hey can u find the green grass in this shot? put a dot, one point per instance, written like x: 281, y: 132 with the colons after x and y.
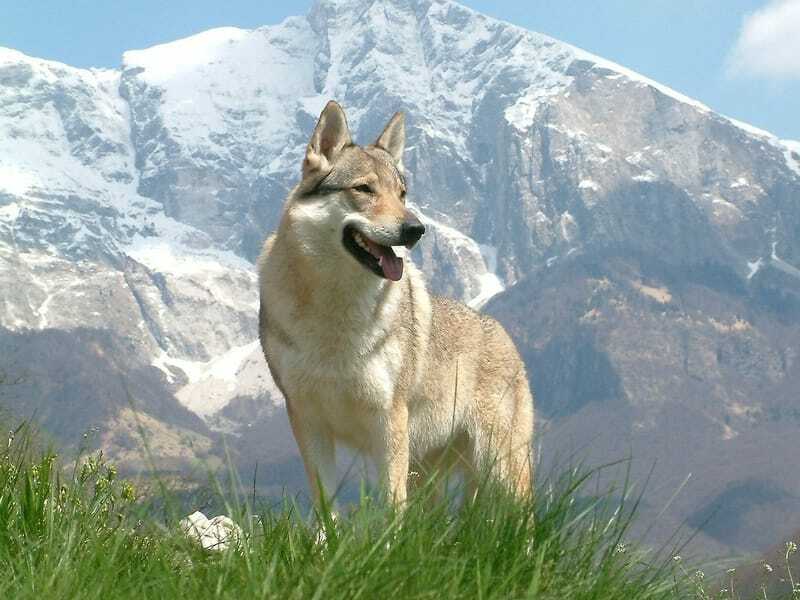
x: 83, y: 535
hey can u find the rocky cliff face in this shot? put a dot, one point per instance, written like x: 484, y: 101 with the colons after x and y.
x: 642, y: 249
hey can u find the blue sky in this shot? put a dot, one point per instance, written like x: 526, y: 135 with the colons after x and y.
x: 740, y: 57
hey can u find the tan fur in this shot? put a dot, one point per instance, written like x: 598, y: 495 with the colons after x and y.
x: 415, y: 382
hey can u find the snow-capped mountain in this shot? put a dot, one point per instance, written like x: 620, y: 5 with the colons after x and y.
x: 643, y: 249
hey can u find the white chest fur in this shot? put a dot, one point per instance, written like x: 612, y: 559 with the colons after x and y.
x: 342, y: 366
x: 316, y: 373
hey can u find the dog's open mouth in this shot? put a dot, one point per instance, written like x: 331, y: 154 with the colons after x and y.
x: 379, y: 259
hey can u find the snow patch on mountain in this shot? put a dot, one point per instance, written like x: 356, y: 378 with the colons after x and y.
x: 174, y: 59
x: 588, y: 184
x: 86, y: 149
x: 224, y: 92
x: 792, y: 154
x: 14, y: 180
x: 9, y: 212
x: 167, y: 253
x: 739, y: 183
x: 789, y: 148
x: 648, y: 176
x: 544, y: 63
x: 549, y: 81
x: 781, y: 264
x: 210, y: 384
x: 754, y: 267
x: 522, y: 113
x: 490, y: 284
x: 223, y: 367
x: 477, y: 262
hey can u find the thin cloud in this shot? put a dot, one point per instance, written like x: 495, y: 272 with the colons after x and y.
x: 768, y: 45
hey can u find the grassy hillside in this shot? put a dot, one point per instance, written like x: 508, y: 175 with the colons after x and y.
x: 87, y: 535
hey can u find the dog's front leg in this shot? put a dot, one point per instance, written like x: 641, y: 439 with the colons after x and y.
x: 318, y: 451
x: 393, y: 453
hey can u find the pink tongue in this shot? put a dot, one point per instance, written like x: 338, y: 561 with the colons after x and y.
x: 392, y: 265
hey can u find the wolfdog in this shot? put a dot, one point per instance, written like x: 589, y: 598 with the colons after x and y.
x: 363, y: 355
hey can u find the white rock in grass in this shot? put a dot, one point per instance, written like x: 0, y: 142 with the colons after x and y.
x: 218, y: 533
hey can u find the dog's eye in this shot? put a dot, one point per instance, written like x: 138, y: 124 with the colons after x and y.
x: 363, y: 188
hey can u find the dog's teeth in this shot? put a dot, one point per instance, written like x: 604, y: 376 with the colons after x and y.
x: 360, y: 241
x: 400, y: 251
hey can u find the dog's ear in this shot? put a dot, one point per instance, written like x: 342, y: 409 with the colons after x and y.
x: 330, y: 135
x: 393, y: 138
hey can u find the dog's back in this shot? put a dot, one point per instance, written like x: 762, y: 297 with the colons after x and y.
x: 477, y: 383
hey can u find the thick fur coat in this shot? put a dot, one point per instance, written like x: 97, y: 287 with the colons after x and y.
x: 364, y: 356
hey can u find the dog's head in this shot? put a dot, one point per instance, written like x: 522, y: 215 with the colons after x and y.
x: 352, y: 199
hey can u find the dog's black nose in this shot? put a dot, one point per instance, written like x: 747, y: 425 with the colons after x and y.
x: 411, y: 230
